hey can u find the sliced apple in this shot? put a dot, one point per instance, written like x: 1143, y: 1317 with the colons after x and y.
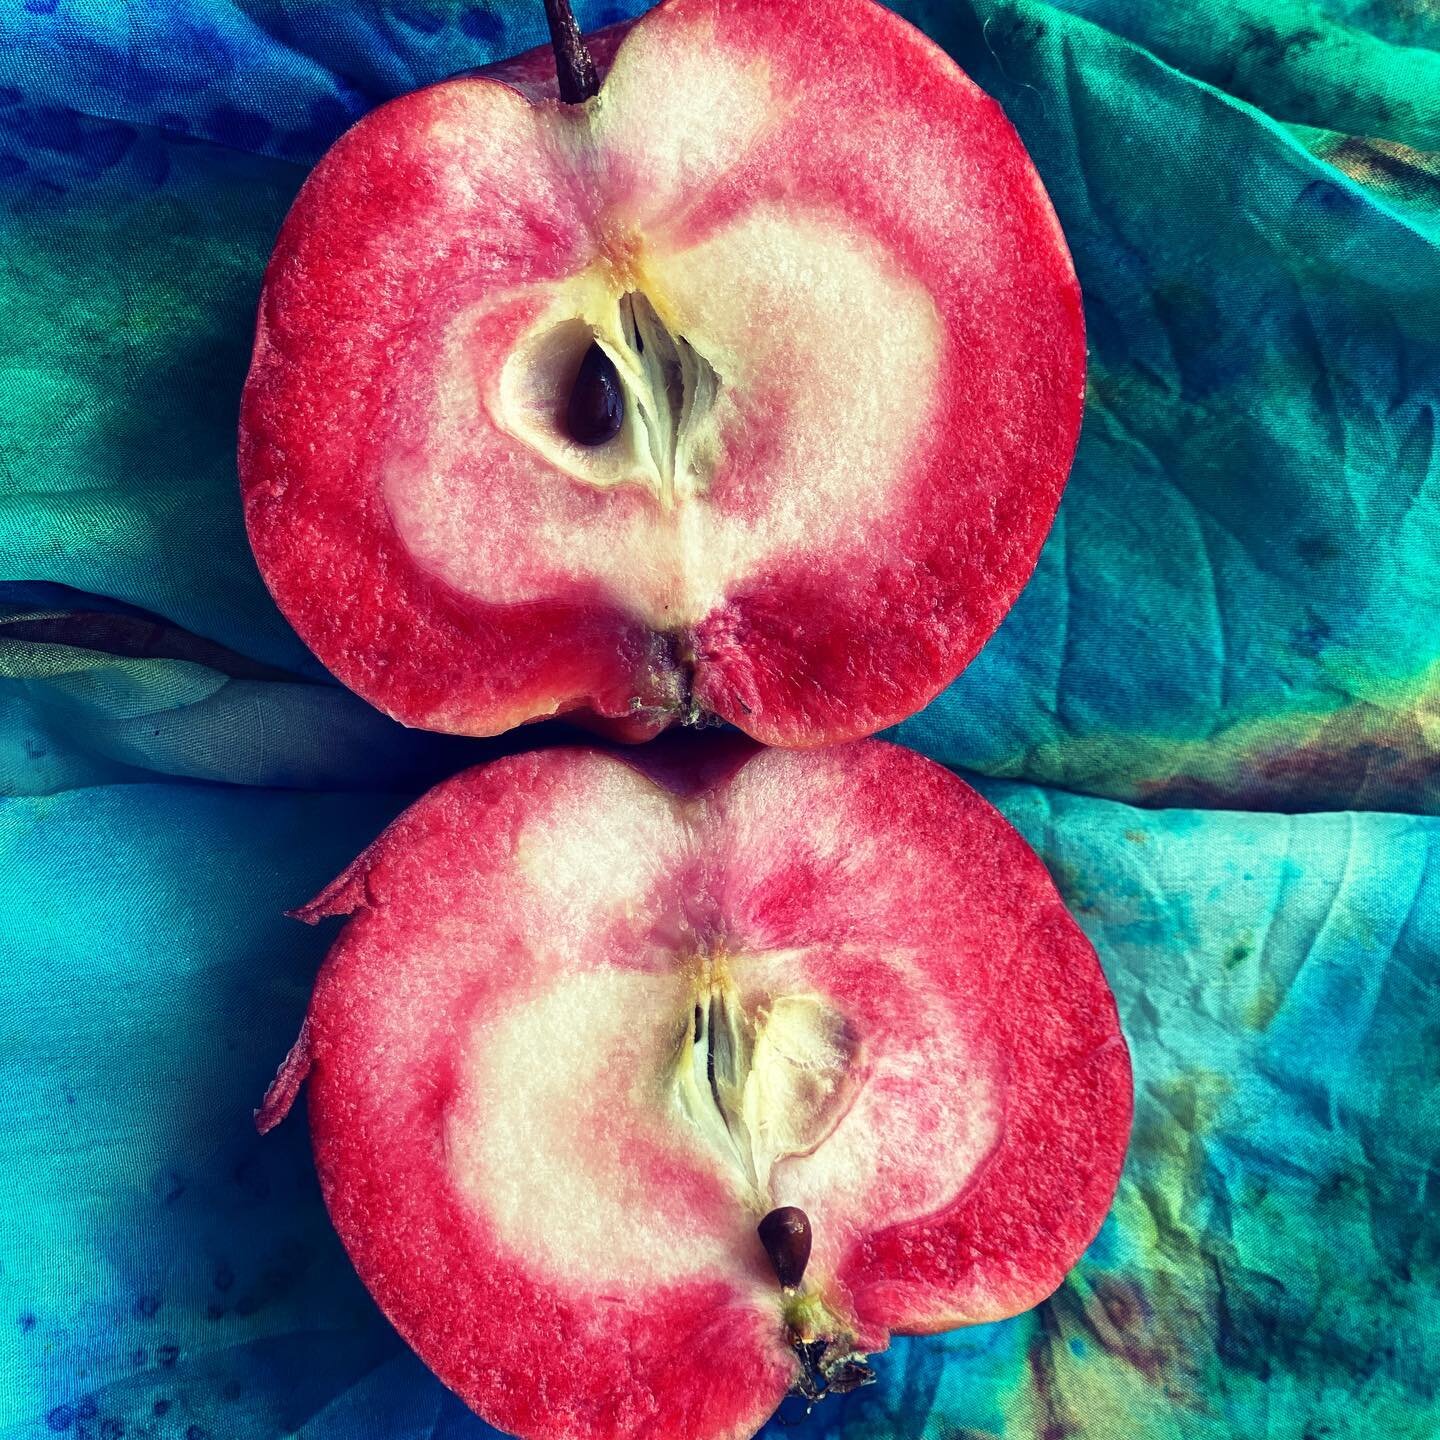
x: 845, y: 343
x: 646, y: 1093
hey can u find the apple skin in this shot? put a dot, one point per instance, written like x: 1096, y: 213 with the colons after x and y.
x: 884, y: 480
x: 494, y: 1115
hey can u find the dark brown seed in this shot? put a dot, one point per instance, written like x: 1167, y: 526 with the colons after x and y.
x: 597, y: 404
x: 785, y: 1234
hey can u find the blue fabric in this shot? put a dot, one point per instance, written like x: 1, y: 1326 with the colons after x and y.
x: 1233, y: 619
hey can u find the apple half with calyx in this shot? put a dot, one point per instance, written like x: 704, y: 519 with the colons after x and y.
x: 741, y: 383
x: 649, y: 1089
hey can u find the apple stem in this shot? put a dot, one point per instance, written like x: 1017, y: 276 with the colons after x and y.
x: 574, y: 65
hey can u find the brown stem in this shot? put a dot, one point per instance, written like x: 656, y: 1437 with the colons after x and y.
x: 574, y: 65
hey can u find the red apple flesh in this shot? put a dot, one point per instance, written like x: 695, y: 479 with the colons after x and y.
x: 848, y: 339
x: 594, y: 1018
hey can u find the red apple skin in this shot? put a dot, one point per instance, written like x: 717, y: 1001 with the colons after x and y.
x: 481, y: 900
x: 397, y: 232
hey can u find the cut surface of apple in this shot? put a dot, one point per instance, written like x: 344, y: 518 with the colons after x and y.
x: 611, y: 1047
x: 818, y: 271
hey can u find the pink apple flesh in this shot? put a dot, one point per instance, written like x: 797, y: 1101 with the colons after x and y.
x: 849, y: 339
x: 590, y: 1022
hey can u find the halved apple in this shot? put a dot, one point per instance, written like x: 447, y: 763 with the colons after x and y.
x: 646, y: 1091
x: 745, y: 388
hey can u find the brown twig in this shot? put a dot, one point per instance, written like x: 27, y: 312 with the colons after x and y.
x: 574, y: 65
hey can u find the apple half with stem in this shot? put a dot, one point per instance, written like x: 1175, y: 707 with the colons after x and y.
x: 733, y: 371
x: 649, y: 1089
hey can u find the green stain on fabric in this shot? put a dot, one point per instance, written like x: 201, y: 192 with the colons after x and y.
x: 1264, y: 1241
x: 1400, y: 177
x: 1370, y: 744
x: 1263, y: 1006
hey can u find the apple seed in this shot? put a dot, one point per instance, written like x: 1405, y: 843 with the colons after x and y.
x: 785, y: 1234
x: 597, y: 406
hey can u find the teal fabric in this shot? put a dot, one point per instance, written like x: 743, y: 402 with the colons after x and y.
x: 1236, y: 604
x: 1213, y: 712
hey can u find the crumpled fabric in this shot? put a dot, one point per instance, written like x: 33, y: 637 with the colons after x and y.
x: 1214, y: 713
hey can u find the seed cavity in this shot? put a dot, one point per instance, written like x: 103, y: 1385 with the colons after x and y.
x: 785, y: 1234
x: 611, y: 398
x: 596, y: 409
x: 675, y: 392
x: 762, y: 1082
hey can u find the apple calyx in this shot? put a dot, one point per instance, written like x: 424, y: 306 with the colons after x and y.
x: 574, y: 65
x: 827, y: 1367
x: 828, y: 1362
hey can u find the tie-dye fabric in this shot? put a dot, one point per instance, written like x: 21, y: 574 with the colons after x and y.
x: 1212, y: 712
